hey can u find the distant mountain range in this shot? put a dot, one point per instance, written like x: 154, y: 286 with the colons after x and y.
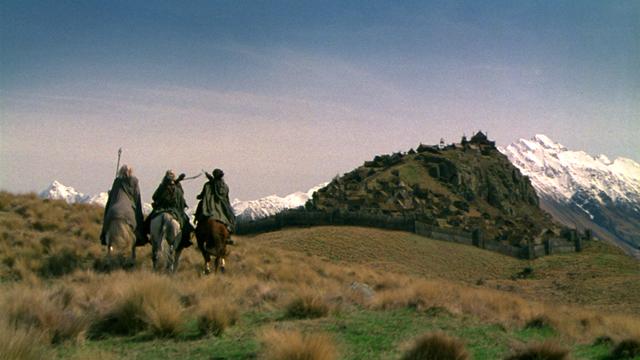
x: 581, y: 190
x: 577, y: 189
x: 245, y: 210
x: 271, y: 205
x: 59, y: 191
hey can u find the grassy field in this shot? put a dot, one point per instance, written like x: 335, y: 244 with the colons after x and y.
x: 601, y: 277
x: 318, y: 293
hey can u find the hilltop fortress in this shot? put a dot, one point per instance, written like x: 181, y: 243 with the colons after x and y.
x: 467, y: 186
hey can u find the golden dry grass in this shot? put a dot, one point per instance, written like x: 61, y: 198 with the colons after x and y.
x: 293, y: 345
x: 541, y: 351
x: 309, y: 270
x: 601, y: 277
x: 49, y: 311
x: 22, y: 344
x: 215, y: 315
x: 137, y: 302
x: 436, y: 346
x: 307, y: 305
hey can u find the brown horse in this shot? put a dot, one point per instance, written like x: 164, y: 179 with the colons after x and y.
x: 212, y: 236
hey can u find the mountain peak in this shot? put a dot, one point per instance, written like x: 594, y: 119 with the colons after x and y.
x: 595, y: 186
x: 546, y: 142
x: 58, y: 191
x: 272, y: 204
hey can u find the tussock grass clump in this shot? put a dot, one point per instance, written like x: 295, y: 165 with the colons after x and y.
x: 293, y: 345
x: 122, y: 317
x: 163, y: 316
x: 61, y: 263
x: 541, y: 351
x: 143, y: 301
x: 436, y: 346
x: 626, y: 349
x: 22, y: 344
x: 49, y: 312
x: 215, y: 316
x: 307, y: 306
x: 540, y: 322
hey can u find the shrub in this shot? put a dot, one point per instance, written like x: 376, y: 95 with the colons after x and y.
x: 436, y: 346
x: 307, y: 306
x: 541, y: 351
x: 215, y: 316
x: 292, y: 345
x: 626, y: 349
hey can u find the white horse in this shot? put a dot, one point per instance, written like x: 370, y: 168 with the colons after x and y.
x: 119, y: 237
x: 165, y: 242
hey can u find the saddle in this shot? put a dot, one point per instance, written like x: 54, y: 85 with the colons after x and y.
x: 187, y: 229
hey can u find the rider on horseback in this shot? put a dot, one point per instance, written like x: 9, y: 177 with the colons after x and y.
x: 169, y: 197
x: 214, y: 202
x: 124, y: 203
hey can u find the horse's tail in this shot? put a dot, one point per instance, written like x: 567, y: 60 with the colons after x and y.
x: 119, y: 234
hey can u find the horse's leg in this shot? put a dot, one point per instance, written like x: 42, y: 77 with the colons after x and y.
x: 157, y: 234
x: 174, y: 253
x: 108, y: 242
x: 222, y: 262
x: 200, y: 239
x: 133, y: 250
x: 216, y: 264
x: 167, y: 251
x: 207, y: 262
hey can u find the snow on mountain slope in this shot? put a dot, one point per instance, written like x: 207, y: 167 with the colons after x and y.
x: 607, y: 192
x: 560, y: 173
x: 100, y: 199
x: 271, y: 205
x: 245, y: 210
x: 58, y: 191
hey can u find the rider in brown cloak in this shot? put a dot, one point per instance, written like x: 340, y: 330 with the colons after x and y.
x: 214, y: 201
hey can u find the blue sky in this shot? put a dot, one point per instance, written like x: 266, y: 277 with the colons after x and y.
x: 285, y: 95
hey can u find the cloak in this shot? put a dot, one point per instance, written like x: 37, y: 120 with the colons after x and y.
x: 169, y: 197
x: 124, y: 203
x: 215, y: 203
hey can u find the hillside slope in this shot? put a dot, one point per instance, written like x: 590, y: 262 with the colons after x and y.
x: 365, y: 289
x: 467, y: 186
x: 600, y: 277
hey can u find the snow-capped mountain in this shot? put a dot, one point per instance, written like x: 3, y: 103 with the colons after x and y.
x: 578, y: 188
x: 99, y: 199
x: 271, y: 205
x: 58, y: 191
x: 244, y: 210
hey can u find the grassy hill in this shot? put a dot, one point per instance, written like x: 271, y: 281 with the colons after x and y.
x: 466, y: 186
x: 323, y: 293
x: 601, y: 277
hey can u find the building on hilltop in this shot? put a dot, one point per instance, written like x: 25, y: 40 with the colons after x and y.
x: 481, y: 139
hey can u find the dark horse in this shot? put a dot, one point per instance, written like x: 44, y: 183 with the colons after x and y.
x: 212, y: 237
